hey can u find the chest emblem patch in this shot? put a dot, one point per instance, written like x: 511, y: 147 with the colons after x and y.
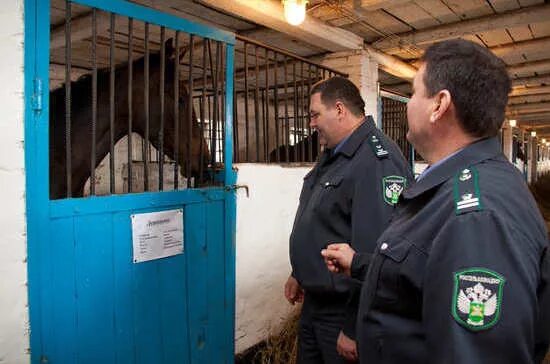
x: 392, y: 186
x: 477, y: 298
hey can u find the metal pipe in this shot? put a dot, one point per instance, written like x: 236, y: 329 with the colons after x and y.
x: 176, y: 109
x: 112, y: 105
x: 189, y: 110
x: 246, y: 128
x: 276, y: 101
x: 146, y: 110
x: 130, y: 99
x: 94, y: 101
x: 161, y: 96
x: 68, y: 152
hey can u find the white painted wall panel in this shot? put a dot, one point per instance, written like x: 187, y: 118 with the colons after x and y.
x: 264, y: 223
x: 14, y: 339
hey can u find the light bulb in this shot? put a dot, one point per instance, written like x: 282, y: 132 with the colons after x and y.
x: 513, y: 123
x: 295, y: 11
x: 533, y: 133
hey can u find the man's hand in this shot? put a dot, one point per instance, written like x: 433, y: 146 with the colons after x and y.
x: 293, y: 292
x: 338, y: 257
x: 346, y: 347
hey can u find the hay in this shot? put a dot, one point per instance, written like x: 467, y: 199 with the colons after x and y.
x: 279, y: 348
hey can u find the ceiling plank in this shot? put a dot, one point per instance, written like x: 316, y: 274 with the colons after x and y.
x: 523, y: 91
x: 535, y: 14
x: 532, y: 81
x: 529, y: 108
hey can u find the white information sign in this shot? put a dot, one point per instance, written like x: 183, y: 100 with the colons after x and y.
x: 157, y: 235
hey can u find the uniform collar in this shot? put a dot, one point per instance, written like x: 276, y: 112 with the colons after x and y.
x: 472, y: 154
x: 354, y: 140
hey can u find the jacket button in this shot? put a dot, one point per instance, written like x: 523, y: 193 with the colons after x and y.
x: 384, y: 246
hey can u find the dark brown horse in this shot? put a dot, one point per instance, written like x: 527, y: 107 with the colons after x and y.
x: 81, y: 125
x: 298, y: 152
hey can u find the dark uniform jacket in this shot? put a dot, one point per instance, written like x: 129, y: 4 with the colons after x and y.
x: 461, y: 273
x: 347, y: 197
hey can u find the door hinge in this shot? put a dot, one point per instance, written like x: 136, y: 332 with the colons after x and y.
x: 37, y: 95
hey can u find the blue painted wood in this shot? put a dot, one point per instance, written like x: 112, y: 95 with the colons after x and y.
x: 123, y: 289
x: 89, y: 303
x: 37, y: 38
x: 215, y: 276
x: 155, y: 17
x: 61, y: 318
x: 116, y: 203
x: 197, y: 258
x: 93, y: 238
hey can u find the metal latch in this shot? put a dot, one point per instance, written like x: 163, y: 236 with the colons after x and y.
x: 236, y: 187
x: 37, y: 95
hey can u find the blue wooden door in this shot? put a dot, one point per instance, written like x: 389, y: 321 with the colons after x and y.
x: 89, y: 303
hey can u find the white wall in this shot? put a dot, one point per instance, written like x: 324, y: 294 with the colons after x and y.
x: 14, y: 339
x: 264, y: 223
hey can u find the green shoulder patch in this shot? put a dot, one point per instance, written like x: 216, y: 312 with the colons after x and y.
x: 466, y: 191
x: 477, y: 298
x: 392, y: 186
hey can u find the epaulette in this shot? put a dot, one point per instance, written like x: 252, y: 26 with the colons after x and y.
x: 466, y: 191
x: 377, y: 147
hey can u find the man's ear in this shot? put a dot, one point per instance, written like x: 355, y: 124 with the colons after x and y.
x: 340, y: 108
x: 441, y: 104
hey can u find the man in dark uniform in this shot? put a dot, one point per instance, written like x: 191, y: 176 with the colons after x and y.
x: 461, y: 274
x: 348, y: 196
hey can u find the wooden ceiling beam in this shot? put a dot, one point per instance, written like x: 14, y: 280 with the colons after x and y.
x: 373, y: 5
x: 528, y: 108
x: 510, y: 19
x: 532, y: 81
x: 270, y: 13
x: 530, y: 67
x: 81, y: 28
x: 525, y: 91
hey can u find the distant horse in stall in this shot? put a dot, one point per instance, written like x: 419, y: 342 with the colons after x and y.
x: 81, y: 126
x: 298, y: 152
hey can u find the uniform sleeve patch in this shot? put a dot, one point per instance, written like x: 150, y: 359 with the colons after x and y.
x: 392, y: 186
x: 477, y: 298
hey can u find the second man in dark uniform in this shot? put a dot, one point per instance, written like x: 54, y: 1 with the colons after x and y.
x: 348, y: 196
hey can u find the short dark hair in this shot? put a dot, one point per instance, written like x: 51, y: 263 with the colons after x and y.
x: 476, y: 79
x: 340, y: 89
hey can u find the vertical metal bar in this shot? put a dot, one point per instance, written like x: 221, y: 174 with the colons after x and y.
x: 246, y: 126
x: 68, y: 151
x: 276, y: 102
x: 130, y: 99
x: 216, y: 102
x: 301, y: 111
x: 160, y: 160
x: 296, y: 146
x: 146, y: 110
x: 221, y: 101
x: 212, y: 109
x: 306, y: 108
x: 112, y: 105
x: 189, y: 111
x: 203, y: 102
x: 286, y: 126
x: 266, y: 124
x: 94, y: 102
x: 256, y: 106
x: 176, y: 109
x: 236, y: 149
x: 229, y: 87
x: 202, y: 105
